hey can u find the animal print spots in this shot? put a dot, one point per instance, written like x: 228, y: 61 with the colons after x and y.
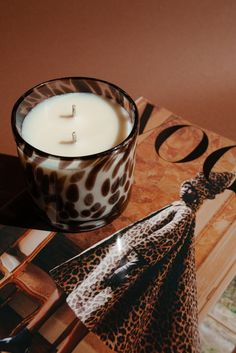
x: 153, y: 307
x: 88, y: 200
x: 123, y: 179
x: 127, y: 185
x: 134, y: 315
x: 77, y: 177
x: 78, y: 193
x: 114, y: 198
x: 106, y: 187
x: 115, y: 185
x: 96, y: 207
x: 72, y: 193
x: 70, y: 208
x: 99, y: 212
x: 85, y: 213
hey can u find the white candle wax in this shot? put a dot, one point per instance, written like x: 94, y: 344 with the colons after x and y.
x: 98, y: 124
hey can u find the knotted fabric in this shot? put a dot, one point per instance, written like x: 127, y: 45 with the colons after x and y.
x: 137, y: 288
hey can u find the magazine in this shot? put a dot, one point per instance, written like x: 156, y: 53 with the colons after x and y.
x: 170, y: 150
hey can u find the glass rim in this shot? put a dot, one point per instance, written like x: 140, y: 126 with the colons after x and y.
x: 19, y: 139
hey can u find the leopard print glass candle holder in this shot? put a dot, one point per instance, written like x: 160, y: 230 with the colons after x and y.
x: 85, y: 192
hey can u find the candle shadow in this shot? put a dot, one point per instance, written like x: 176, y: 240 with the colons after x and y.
x: 16, y: 206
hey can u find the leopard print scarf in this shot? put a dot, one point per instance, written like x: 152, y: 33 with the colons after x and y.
x: 137, y: 289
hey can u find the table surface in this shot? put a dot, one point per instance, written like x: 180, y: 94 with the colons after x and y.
x: 179, y: 54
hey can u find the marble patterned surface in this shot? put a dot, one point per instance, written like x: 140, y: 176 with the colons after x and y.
x: 158, y: 179
x: 157, y: 183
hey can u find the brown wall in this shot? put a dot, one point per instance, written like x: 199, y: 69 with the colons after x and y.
x: 179, y: 54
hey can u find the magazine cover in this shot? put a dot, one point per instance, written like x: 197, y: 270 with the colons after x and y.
x: 145, y: 281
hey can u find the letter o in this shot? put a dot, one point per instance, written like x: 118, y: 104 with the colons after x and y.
x: 212, y: 159
x: 197, y: 152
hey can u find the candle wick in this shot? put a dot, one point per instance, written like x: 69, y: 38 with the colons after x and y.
x: 74, y: 137
x: 73, y: 110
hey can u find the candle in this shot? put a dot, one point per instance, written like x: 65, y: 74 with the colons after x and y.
x: 76, y: 124
x: 76, y: 140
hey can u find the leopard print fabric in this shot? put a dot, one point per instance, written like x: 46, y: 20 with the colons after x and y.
x: 153, y: 309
